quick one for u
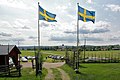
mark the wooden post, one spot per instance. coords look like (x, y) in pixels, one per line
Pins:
(66, 55)
(19, 66)
(74, 59)
(84, 48)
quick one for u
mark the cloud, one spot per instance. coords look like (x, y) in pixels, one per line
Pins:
(89, 1)
(63, 38)
(115, 38)
(19, 4)
(11, 39)
(93, 39)
(32, 37)
(21, 24)
(72, 38)
(113, 7)
(5, 34)
(99, 27)
(17, 39)
(25, 27)
(62, 8)
(100, 30)
(43, 24)
(4, 40)
(19, 18)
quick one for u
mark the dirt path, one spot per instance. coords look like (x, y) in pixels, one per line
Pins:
(52, 65)
(50, 75)
(48, 66)
(64, 74)
(26, 64)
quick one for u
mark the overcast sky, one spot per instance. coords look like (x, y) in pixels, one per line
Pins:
(18, 22)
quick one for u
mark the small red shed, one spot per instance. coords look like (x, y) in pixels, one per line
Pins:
(7, 52)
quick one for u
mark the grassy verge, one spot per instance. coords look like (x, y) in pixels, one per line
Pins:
(57, 74)
(27, 74)
(70, 71)
(95, 72)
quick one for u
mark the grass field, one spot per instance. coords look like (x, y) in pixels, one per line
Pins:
(100, 54)
(109, 71)
(89, 71)
(114, 53)
(45, 53)
(27, 74)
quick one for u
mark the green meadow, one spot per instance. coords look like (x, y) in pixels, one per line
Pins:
(88, 71)
(114, 53)
(109, 71)
(27, 74)
(44, 53)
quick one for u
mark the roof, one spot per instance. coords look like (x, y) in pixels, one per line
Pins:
(4, 49)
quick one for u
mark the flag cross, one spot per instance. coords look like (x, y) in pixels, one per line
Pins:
(46, 16)
(85, 16)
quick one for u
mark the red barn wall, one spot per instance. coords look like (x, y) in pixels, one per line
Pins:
(14, 55)
(2, 60)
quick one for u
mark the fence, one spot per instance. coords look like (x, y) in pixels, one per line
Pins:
(100, 57)
(10, 70)
(72, 58)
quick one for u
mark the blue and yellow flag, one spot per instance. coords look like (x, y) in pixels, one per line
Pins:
(86, 15)
(45, 15)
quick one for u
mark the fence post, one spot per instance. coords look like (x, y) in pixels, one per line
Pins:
(73, 59)
(66, 56)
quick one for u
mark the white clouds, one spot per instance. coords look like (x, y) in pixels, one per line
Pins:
(15, 31)
(98, 27)
(21, 23)
(62, 8)
(32, 37)
(5, 34)
(103, 24)
(113, 7)
(4, 25)
(89, 1)
(69, 35)
(63, 38)
(15, 4)
(19, 18)
(114, 36)
(43, 24)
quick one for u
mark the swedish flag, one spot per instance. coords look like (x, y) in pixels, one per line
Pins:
(45, 15)
(86, 15)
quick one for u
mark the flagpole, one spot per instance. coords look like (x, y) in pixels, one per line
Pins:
(38, 31)
(77, 57)
(38, 55)
(77, 29)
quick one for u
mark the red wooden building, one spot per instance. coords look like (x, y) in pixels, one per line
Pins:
(7, 51)
(9, 54)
